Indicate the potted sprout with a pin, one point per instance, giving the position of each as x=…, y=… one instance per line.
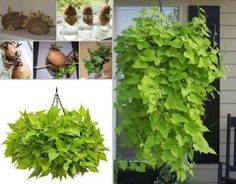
x=98, y=57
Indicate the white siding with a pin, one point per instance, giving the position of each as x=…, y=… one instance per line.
x=207, y=173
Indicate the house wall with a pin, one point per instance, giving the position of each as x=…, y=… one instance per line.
x=207, y=173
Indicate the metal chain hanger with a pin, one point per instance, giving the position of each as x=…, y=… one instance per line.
x=161, y=8
x=57, y=100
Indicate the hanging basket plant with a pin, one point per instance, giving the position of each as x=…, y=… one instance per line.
x=168, y=68
x=57, y=142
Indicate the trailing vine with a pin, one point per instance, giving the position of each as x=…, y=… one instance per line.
x=168, y=68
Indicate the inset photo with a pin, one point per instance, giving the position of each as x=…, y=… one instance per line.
x=16, y=60
x=24, y=20
x=95, y=60
x=56, y=132
x=56, y=60
x=85, y=20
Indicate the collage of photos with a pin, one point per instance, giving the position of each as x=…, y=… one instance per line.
x=118, y=91
x=61, y=48
x=56, y=39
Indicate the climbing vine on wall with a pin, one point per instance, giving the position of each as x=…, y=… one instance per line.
x=168, y=68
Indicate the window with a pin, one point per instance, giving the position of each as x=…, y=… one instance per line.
x=125, y=14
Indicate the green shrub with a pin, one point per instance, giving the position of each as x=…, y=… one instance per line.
x=49, y=142
x=165, y=176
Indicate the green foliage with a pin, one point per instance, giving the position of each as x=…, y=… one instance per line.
x=66, y=70
x=98, y=57
x=49, y=142
x=137, y=166
x=165, y=176
x=56, y=46
x=168, y=68
x=62, y=4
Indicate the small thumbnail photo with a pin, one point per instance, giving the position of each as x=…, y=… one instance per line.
x=85, y=20
x=28, y=20
x=16, y=60
x=96, y=60
x=56, y=60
